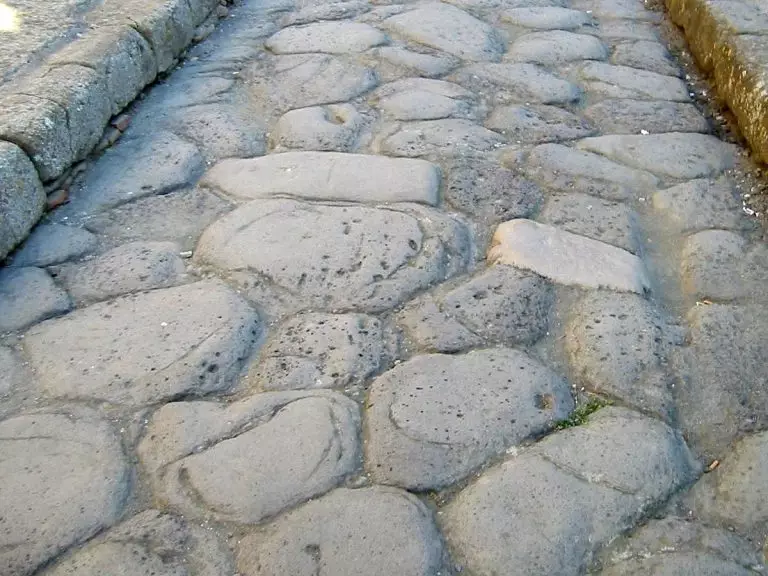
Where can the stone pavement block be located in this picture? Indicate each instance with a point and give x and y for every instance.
(627, 116)
(28, 295)
(547, 18)
(323, 128)
(613, 81)
(651, 56)
(567, 258)
(621, 10)
(329, 37)
(423, 99)
(53, 244)
(699, 204)
(626, 30)
(449, 137)
(555, 47)
(535, 124)
(425, 64)
(524, 81)
(329, 11)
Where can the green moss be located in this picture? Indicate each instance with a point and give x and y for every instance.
(581, 414)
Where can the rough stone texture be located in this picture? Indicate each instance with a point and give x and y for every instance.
(449, 29)
(64, 478)
(652, 56)
(328, 128)
(376, 531)
(423, 99)
(566, 258)
(316, 350)
(626, 116)
(626, 30)
(613, 81)
(12, 372)
(432, 330)
(22, 198)
(567, 169)
(547, 18)
(330, 11)
(616, 345)
(429, 425)
(337, 257)
(425, 64)
(699, 204)
(261, 455)
(623, 9)
(129, 268)
(578, 488)
(147, 347)
(537, 124)
(440, 138)
(28, 295)
(678, 155)
(327, 176)
(555, 47)
(53, 244)
(329, 37)
(524, 82)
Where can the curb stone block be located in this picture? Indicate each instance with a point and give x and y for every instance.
(22, 198)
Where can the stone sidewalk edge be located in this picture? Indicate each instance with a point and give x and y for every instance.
(54, 117)
(733, 50)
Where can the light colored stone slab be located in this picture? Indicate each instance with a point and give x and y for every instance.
(328, 37)
(425, 64)
(335, 127)
(627, 116)
(28, 295)
(700, 204)
(524, 81)
(555, 47)
(547, 17)
(537, 124)
(624, 82)
(439, 138)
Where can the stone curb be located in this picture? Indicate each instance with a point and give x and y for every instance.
(56, 115)
(729, 39)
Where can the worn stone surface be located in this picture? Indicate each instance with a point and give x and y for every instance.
(28, 295)
(626, 30)
(547, 17)
(329, 37)
(427, 426)
(423, 99)
(626, 116)
(262, 455)
(555, 47)
(524, 81)
(64, 477)
(624, 9)
(12, 372)
(579, 488)
(327, 176)
(376, 531)
(567, 258)
(652, 56)
(425, 64)
(440, 137)
(146, 347)
(323, 128)
(53, 244)
(537, 124)
(698, 205)
(329, 11)
(613, 81)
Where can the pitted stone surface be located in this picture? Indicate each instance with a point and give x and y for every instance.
(676, 154)
(329, 37)
(440, 137)
(567, 258)
(423, 99)
(449, 29)
(699, 204)
(28, 295)
(652, 56)
(327, 176)
(425, 64)
(64, 479)
(261, 455)
(376, 531)
(626, 116)
(613, 81)
(525, 82)
(338, 257)
(146, 347)
(536, 124)
(433, 419)
(324, 128)
(555, 47)
(547, 17)
(53, 244)
(330, 11)
(317, 350)
(579, 489)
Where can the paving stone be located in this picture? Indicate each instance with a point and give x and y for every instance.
(626, 116)
(316, 350)
(616, 345)
(376, 531)
(329, 37)
(623, 10)
(554, 47)
(327, 176)
(699, 204)
(259, 456)
(535, 124)
(150, 543)
(427, 429)
(566, 258)
(179, 217)
(449, 29)
(526, 82)
(324, 128)
(128, 268)
(53, 244)
(432, 330)
(721, 392)
(676, 546)
(547, 18)
(683, 156)
(437, 138)
(579, 489)
(146, 347)
(64, 479)
(338, 257)
(609, 222)
(627, 30)
(651, 56)
(613, 81)
(12, 372)
(425, 64)
(28, 295)
(304, 80)
(564, 168)
(330, 11)
(423, 99)
(437, 87)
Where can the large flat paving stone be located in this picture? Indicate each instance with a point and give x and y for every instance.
(324, 128)
(329, 37)
(338, 257)
(261, 455)
(627, 116)
(64, 478)
(440, 138)
(566, 258)
(423, 99)
(329, 11)
(677, 155)
(547, 17)
(327, 176)
(556, 47)
(613, 81)
(536, 124)
(627, 30)
(525, 82)
(28, 295)
(53, 244)
(548, 509)
(699, 204)
(651, 56)
(146, 347)
(449, 29)
(376, 531)
(427, 65)
(434, 419)
(623, 9)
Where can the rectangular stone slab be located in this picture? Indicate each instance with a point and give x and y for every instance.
(327, 176)
(566, 258)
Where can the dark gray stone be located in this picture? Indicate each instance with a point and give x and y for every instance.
(626, 116)
(699, 204)
(432, 330)
(537, 124)
(53, 244)
(28, 295)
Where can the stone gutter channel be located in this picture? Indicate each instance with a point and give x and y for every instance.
(55, 116)
(729, 39)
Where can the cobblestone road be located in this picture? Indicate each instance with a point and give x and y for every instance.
(409, 289)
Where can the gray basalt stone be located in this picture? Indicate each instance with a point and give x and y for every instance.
(627, 116)
(436, 138)
(627, 30)
(523, 81)
(547, 18)
(12, 372)
(427, 426)
(324, 128)
(147, 347)
(328, 37)
(425, 64)
(623, 10)
(612, 81)
(554, 47)
(250, 460)
(423, 99)
(699, 204)
(53, 244)
(28, 295)
(537, 124)
(329, 11)
(652, 56)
